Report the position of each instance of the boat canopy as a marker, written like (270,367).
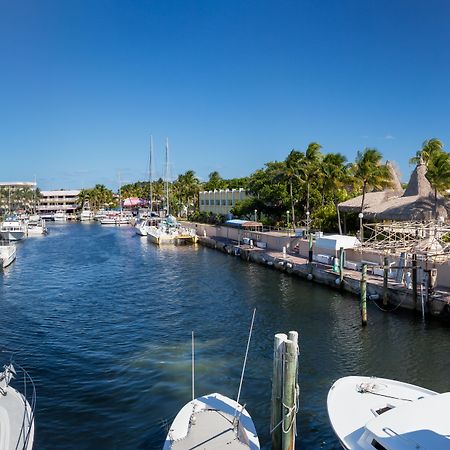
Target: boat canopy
(239,223)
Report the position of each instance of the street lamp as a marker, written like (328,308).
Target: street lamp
(361,234)
(287,214)
(256,217)
(307,223)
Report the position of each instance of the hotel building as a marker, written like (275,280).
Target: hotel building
(220,201)
(60,200)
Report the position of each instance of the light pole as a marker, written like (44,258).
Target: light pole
(287,214)
(307,223)
(361,234)
(256,215)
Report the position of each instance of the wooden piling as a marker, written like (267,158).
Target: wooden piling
(363,292)
(277,389)
(290,392)
(341,265)
(414,280)
(385,280)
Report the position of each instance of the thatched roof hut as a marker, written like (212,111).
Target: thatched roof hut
(417,202)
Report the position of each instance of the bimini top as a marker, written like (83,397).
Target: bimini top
(239,223)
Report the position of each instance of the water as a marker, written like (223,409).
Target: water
(102,320)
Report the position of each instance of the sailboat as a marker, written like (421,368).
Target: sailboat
(143,225)
(382,414)
(169,231)
(213,421)
(117,218)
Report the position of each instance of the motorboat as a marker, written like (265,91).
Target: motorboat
(7,253)
(36,226)
(13,229)
(169,231)
(16,411)
(86,215)
(100,214)
(382,414)
(60,216)
(116,218)
(211,422)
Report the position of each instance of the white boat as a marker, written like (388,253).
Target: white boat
(7,253)
(169,231)
(16,413)
(12,229)
(86,214)
(60,216)
(212,422)
(381,414)
(116,218)
(36,226)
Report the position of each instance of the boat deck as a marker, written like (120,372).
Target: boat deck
(213,429)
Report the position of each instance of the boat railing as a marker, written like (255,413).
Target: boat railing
(29,393)
(391,432)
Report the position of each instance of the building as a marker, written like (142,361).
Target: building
(61,200)
(16,196)
(220,201)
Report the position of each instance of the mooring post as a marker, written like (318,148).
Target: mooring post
(363,292)
(414,279)
(290,392)
(277,390)
(341,265)
(385,280)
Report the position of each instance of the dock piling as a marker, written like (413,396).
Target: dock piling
(385,280)
(341,265)
(363,293)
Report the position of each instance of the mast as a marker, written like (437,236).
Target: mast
(167,175)
(151,174)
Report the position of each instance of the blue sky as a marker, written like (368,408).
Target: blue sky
(232,84)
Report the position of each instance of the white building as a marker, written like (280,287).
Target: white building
(60,200)
(17,195)
(220,201)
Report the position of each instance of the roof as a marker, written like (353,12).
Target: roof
(238,223)
(61,192)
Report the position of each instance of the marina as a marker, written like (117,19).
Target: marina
(105,332)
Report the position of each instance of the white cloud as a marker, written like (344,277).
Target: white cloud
(389,137)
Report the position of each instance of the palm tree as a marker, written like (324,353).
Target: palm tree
(428,148)
(311,164)
(291,172)
(438,174)
(335,178)
(369,172)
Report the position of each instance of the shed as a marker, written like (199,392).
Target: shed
(331,244)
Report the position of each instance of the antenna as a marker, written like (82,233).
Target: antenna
(193,369)
(245,359)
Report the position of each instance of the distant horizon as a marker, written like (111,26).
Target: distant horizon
(233,85)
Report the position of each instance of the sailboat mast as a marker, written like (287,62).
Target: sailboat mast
(151,173)
(167,175)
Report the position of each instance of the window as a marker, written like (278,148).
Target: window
(377,445)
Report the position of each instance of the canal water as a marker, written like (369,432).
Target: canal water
(102,320)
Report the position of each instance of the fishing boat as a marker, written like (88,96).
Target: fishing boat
(7,253)
(382,414)
(60,216)
(86,214)
(213,421)
(36,226)
(13,229)
(16,411)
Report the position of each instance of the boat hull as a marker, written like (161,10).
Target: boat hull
(8,235)
(7,255)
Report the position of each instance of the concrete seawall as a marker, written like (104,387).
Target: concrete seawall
(398,295)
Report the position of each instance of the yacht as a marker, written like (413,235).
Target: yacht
(369,413)
(86,214)
(7,253)
(36,226)
(16,411)
(60,216)
(12,229)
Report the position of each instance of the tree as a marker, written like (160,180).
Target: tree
(438,174)
(215,181)
(428,148)
(310,167)
(369,172)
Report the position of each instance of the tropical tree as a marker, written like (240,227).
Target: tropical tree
(369,172)
(428,148)
(335,178)
(186,189)
(438,174)
(311,168)
(215,181)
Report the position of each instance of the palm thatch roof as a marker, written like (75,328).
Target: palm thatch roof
(417,202)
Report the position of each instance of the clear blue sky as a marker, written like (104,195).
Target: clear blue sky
(232,84)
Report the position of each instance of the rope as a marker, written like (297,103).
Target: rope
(387,310)
(365,388)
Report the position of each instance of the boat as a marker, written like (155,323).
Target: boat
(86,214)
(12,229)
(7,253)
(213,421)
(60,216)
(100,214)
(116,218)
(36,226)
(16,411)
(382,414)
